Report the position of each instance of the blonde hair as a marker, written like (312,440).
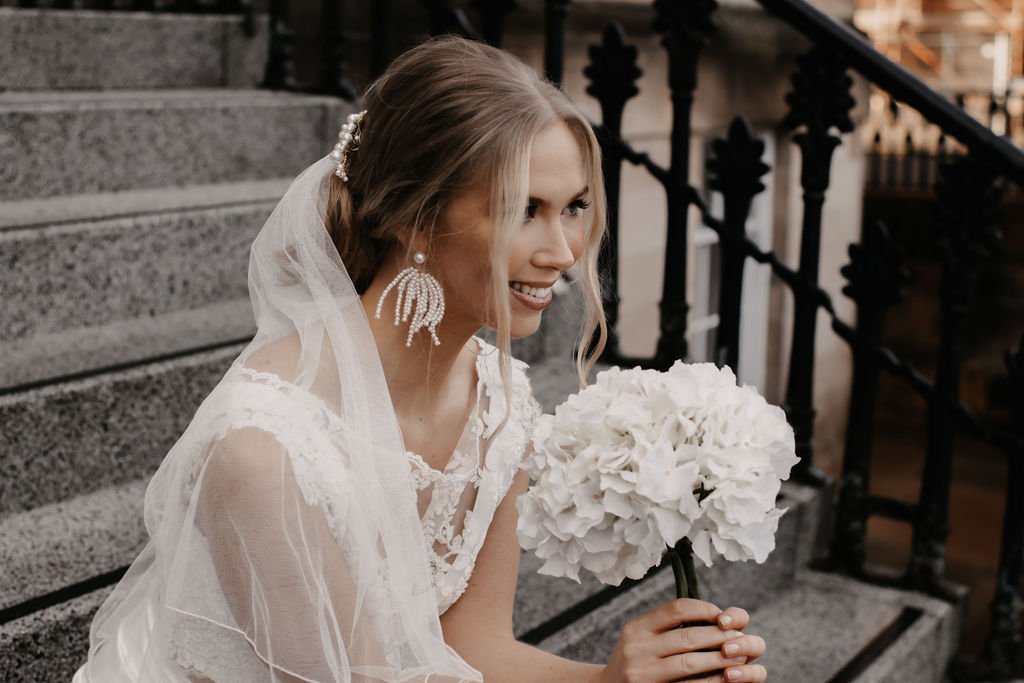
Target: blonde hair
(445,114)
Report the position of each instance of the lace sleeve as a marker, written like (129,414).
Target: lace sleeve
(511,443)
(280,573)
(264,585)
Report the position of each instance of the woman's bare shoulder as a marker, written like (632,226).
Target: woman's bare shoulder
(280,357)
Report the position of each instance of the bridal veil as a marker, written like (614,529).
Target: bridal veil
(285,538)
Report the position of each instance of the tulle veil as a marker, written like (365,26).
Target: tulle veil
(285,539)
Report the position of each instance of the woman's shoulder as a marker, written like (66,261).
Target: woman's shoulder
(261,390)
(280,357)
(524,406)
(489,356)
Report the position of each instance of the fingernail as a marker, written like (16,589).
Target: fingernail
(725,620)
(731,649)
(732,674)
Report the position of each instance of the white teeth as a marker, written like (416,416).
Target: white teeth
(536,292)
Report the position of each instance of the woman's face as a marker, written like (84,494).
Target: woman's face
(548,242)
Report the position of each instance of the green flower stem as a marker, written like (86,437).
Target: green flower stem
(679,572)
(683,570)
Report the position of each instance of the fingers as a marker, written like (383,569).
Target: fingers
(680,640)
(674,667)
(751,673)
(750,647)
(734,618)
(681,611)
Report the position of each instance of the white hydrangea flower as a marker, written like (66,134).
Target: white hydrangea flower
(640,459)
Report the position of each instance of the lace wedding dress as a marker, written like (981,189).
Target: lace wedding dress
(456,507)
(292,537)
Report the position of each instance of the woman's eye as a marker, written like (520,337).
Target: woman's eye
(577,207)
(531,211)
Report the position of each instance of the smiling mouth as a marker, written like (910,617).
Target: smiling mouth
(536,298)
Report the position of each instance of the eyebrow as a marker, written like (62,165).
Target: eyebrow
(539,202)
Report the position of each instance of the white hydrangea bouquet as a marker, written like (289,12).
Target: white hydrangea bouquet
(642,460)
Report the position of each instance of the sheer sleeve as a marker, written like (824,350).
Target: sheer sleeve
(283,577)
(266,582)
(285,542)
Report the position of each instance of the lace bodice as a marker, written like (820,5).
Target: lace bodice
(456,508)
(457,504)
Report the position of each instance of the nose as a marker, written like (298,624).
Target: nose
(557,251)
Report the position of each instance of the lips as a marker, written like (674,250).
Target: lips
(531,296)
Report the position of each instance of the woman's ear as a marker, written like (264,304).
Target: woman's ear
(402,247)
(416,241)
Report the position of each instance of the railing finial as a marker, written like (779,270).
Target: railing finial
(820,101)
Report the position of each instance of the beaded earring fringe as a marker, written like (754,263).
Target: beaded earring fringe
(423,288)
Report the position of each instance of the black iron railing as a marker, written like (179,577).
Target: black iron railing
(966,186)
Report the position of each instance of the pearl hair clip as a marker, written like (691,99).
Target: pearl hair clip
(348,140)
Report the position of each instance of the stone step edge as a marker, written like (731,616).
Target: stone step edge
(925,626)
(934,634)
(36,213)
(78,49)
(59,551)
(92,378)
(45,360)
(60,530)
(123,15)
(52,642)
(66,627)
(136,412)
(188,97)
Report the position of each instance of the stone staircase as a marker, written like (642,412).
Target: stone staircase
(137,162)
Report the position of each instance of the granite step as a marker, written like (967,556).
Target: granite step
(46,49)
(66,355)
(56,547)
(70,143)
(48,549)
(66,439)
(823,628)
(77,454)
(820,627)
(48,646)
(115,278)
(70,436)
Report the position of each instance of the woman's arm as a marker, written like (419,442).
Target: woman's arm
(305,602)
(651,648)
(479,625)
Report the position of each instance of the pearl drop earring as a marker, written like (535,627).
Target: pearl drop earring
(414,284)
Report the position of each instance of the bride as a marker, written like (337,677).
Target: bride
(342,506)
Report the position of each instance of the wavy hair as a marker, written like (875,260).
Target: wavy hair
(444,115)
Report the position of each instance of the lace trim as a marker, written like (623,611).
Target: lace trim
(500,464)
(209,652)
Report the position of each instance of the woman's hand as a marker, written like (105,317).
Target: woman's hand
(654,647)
